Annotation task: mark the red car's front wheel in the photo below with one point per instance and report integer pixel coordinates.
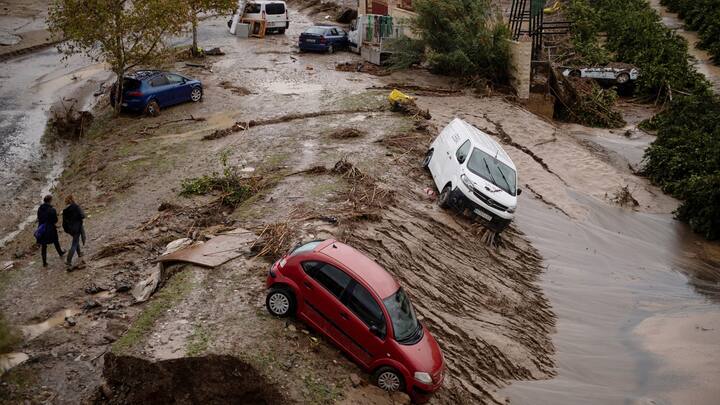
(280, 302)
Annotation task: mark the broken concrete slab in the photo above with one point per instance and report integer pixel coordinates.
(215, 251)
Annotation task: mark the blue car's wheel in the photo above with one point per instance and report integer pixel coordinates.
(330, 49)
(196, 94)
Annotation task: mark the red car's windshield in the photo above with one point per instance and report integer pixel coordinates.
(405, 325)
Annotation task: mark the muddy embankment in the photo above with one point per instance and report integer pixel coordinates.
(636, 292)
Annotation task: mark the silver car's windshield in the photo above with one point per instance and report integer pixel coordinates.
(492, 170)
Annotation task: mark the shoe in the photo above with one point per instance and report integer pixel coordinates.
(68, 267)
(62, 254)
(45, 264)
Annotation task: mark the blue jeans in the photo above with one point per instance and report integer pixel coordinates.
(74, 247)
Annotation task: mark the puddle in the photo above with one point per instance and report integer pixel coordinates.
(10, 360)
(210, 379)
(638, 308)
(30, 332)
(292, 88)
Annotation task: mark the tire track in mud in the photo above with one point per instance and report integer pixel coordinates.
(482, 304)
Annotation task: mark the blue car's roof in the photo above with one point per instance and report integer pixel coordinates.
(144, 74)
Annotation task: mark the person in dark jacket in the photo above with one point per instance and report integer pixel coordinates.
(73, 217)
(47, 215)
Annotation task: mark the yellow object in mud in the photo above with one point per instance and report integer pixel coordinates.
(398, 97)
(553, 9)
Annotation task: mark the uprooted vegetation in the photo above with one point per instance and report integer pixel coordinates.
(66, 122)
(584, 102)
(232, 189)
(624, 197)
(345, 133)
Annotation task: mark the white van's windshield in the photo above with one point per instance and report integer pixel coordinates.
(492, 170)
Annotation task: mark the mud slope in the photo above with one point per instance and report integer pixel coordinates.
(481, 303)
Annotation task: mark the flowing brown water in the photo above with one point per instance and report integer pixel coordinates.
(637, 299)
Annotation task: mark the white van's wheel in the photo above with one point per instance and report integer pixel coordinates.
(444, 198)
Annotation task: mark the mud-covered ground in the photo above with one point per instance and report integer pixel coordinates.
(485, 305)
(482, 304)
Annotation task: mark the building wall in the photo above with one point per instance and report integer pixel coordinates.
(520, 61)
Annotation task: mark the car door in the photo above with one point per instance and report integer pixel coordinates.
(334, 37)
(439, 158)
(180, 90)
(323, 288)
(365, 322)
(162, 91)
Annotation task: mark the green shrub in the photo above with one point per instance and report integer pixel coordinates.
(233, 189)
(702, 16)
(636, 35)
(464, 38)
(685, 159)
(406, 52)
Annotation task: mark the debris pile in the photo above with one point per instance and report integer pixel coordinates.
(624, 197)
(583, 101)
(362, 67)
(345, 133)
(69, 123)
(405, 104)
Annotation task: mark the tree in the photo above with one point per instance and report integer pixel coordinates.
(123, 33)
(464, 38)
(195, 7)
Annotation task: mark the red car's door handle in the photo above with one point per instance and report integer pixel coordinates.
(307, 285)
(343, 315)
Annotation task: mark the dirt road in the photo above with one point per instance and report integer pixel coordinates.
(608, 270)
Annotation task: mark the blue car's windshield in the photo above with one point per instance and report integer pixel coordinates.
(406, 327)
(492, 170)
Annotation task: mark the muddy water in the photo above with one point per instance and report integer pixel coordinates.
(29, 86)
(703, 62)
(637, 299)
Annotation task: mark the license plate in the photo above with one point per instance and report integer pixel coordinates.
(310, 41)
(482, 214)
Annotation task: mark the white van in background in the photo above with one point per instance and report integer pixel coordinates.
(274, 13)
(471, 171)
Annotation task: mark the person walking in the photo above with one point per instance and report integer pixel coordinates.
(47, 230)
(73, 217)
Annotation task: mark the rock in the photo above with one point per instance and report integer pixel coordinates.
(177, 244)
(94, 289)
(355, 380)
(292, 328)
(145, 288)
(70, 321)
(123, 286)
(90, 304)
(106, 391)
(7, 265)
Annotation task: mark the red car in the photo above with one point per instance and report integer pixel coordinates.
(362, 309)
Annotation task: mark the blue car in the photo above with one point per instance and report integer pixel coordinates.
(150, 90)
(321, 38)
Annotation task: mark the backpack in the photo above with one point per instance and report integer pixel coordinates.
(39, 232)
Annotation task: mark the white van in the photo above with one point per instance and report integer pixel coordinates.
(471, 171)
(274, 13)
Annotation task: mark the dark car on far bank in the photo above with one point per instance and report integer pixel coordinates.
(323, 38)
(148, 91)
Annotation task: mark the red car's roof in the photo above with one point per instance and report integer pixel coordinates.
(363, 267)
